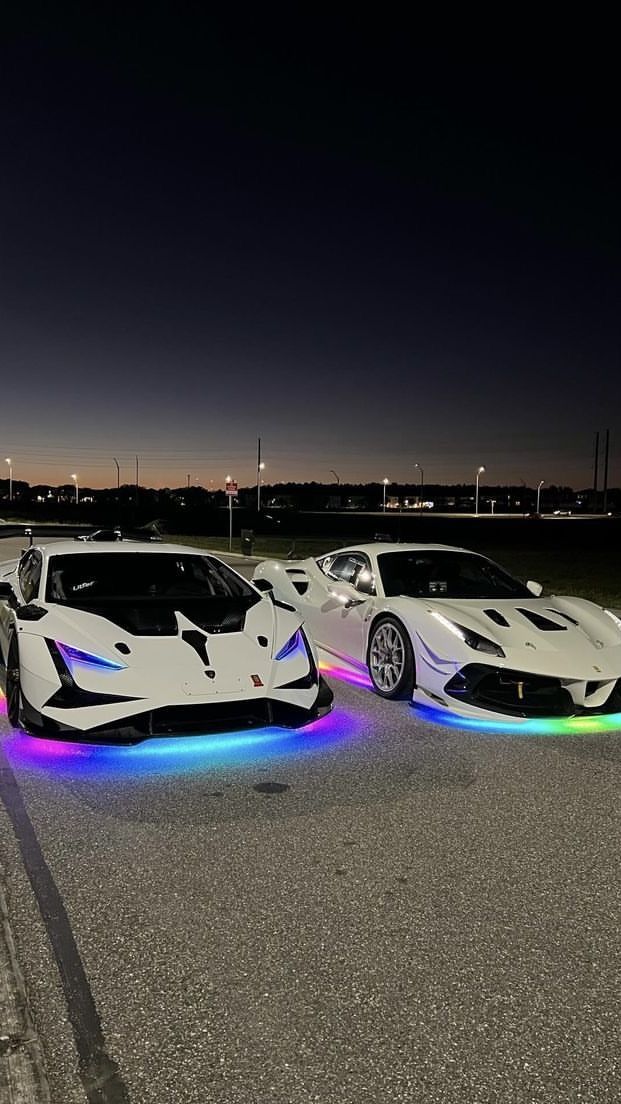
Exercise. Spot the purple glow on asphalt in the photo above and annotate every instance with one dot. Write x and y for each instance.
(354, 678)
(181, 754)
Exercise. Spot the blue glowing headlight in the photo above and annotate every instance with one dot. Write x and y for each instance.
(294, 642)
(77, 656)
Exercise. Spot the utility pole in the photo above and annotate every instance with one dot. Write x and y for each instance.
(606, 471)
(188, 477)
(595, 472)
(258, 474)
(136, 481)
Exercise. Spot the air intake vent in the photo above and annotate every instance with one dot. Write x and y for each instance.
(559, 613)
(541, 622)
(496, 615)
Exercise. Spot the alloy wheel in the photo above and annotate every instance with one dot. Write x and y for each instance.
(387, 658)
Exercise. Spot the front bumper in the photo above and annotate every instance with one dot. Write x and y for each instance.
(524, 694)
(183, 720)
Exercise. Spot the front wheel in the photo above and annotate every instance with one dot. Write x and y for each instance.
(391, 659)
(13, 685)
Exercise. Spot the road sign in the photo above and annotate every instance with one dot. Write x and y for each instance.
(230, 487)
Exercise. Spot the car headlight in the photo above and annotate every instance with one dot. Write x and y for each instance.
(613, 617)
(78, 656)
(293, 644)
(469, 636)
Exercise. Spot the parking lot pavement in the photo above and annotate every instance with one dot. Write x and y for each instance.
(375, 910)
(23, 1078)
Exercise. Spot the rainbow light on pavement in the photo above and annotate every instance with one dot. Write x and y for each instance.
(528, 726)
(181, 754)
(354, 678)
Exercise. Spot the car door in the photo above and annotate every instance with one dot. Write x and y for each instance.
(25, 586)
(337, 622)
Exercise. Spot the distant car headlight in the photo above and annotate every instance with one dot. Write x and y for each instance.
(293, 644)
(77, 656)
(469, 636)
(613, 617)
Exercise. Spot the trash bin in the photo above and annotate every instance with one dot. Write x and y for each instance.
(247, 541)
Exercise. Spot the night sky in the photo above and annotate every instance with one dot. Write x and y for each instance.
(366, 243)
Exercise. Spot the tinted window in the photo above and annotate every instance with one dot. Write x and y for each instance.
(30, 574)
(346, 568)
(438, 574)
(101, 577)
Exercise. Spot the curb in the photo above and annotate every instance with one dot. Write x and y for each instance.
(23, 1076)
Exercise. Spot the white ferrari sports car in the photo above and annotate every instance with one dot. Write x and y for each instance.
(117, 642)
(447, 627)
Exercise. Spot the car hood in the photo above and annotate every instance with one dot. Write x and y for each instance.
(99, 632)
(568, 637)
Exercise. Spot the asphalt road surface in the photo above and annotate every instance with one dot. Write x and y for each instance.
(377, 909)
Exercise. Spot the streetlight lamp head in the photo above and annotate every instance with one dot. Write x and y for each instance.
(386, 482)
(8, 459)
(481, 470)
(73, 475)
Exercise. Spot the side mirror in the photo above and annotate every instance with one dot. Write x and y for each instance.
(345, 600)
(263, 584)
(7, 594)
(535, 588)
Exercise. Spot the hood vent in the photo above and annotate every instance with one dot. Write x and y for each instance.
(198, 641)
(541, 622)
(497, 617)
(559, 613)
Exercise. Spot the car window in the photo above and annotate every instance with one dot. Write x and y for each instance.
(109, 577)
(351, 567)
(29, 574)
(444, 574)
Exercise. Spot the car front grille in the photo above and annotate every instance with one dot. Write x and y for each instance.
(516, 693)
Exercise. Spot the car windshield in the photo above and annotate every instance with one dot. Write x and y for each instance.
(439, 574)
(133, 576)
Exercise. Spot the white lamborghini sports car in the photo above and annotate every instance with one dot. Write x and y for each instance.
(118, 642)
(447, 627)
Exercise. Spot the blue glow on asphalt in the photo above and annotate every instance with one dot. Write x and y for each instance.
(180, 754)
(527, 726)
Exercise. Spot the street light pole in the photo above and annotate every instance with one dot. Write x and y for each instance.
(8, 460)
(476, 499)
(260, 468)
(539, 486)
(385, 482)
(118, 473)
(422, 476)
(335, 474)
(230, 498)
(77, 491)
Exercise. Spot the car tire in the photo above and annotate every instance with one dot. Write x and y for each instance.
(390, 659)
(13, 685)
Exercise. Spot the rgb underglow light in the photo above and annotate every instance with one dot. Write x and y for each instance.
(181, 754)
(526, 726)
(354, 678)
(2, 705)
